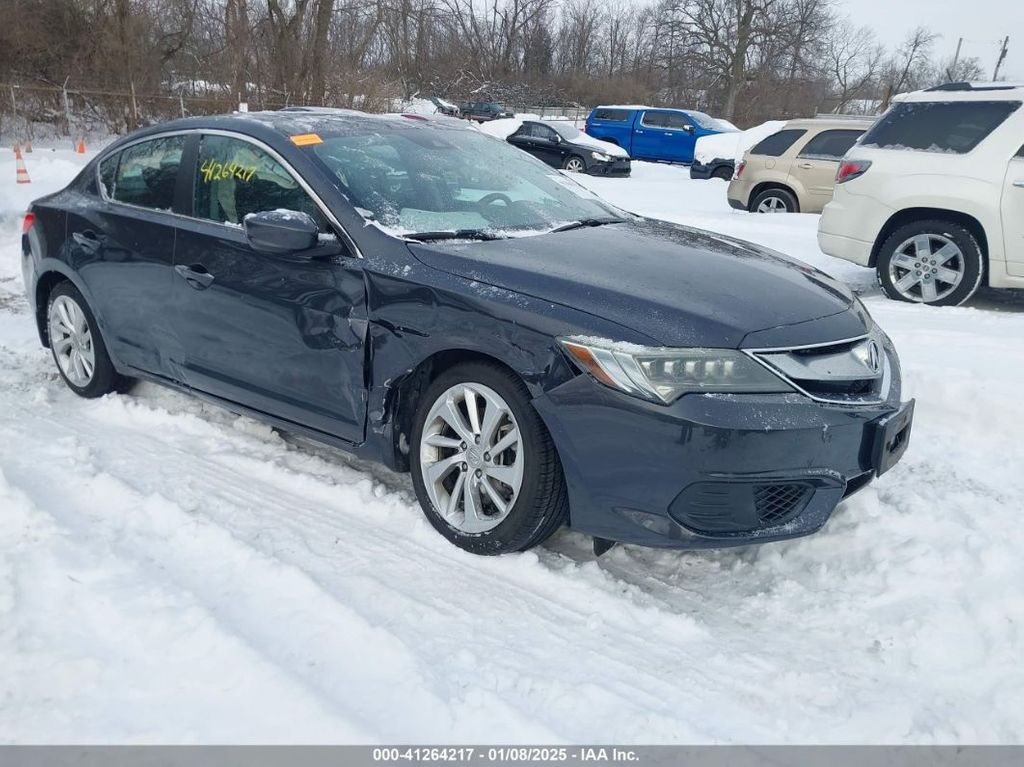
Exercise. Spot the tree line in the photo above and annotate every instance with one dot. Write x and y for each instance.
(744, 60)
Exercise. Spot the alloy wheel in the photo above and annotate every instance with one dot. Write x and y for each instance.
(574, 165)
(71, 341)
(927, 267)
(472, 457)
(772, 205)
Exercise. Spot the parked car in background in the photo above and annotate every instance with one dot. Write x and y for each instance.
(716, 155)
(794, 170)
(561, 145)
(424, 296)
(482, 111)
(649, 133)
(933, 197)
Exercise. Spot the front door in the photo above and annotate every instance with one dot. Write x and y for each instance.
(122, 246)
(282, 334)
(1013, 215)
(814, 170)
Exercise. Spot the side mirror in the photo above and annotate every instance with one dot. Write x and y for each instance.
(280, 231)
(557, 139)
(689, 129)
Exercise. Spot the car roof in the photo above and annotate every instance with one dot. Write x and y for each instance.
(641, 106)
(988, 91)
(272, 127)
(828, 123)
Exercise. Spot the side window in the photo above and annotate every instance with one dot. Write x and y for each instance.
(1020, 152)
(830, 144)
(676, 121)
(108, 171)
(777, 143)
(237, 178)
(612, 115)
(654, 120)
(148, 172)
(544, 132)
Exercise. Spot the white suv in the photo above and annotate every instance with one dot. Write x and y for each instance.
(932, 196)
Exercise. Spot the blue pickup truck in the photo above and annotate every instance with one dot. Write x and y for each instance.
(654, 133)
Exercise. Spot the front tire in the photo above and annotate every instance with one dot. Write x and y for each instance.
(77, 346)
(723, 172)
(932, 262)
(485, 469)
(574, 164)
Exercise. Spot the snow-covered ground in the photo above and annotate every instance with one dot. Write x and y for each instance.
(170, 572)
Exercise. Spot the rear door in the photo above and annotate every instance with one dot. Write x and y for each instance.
(283, 334)
(122, 246)
(1012, 209)
(814, 170)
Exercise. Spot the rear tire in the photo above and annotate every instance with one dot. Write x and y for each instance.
(723, 173)
(77, 346)
(451, 460)
(774, 201)
(933, 262)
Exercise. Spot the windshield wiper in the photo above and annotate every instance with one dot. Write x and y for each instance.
(453, 234)
(585, 222)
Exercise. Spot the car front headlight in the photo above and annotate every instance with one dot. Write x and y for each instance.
(600, 157)
(663, 374)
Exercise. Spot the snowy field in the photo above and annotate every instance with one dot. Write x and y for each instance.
(170, 572)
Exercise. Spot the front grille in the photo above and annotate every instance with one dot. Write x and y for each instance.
(776, 503)
(852, 372)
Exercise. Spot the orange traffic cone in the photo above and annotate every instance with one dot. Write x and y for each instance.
(81, 146)
(22, 173)
(17, 150)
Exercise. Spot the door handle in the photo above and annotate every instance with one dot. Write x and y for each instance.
(805, 165)
(1019, 182)
(196, 276)
(639, 132)
(88, 240)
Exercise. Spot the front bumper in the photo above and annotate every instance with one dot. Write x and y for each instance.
(700, 171)
(711, 470)
(613, 168)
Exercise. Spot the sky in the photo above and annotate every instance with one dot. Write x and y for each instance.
(982, 24)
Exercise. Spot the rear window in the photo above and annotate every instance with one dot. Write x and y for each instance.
(830, 144)
(613, 115)
(939, 126)
(777, 143)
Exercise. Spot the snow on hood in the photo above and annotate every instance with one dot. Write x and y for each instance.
(733, 145)
(600, 146)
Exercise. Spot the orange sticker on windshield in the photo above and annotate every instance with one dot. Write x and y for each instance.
(305, 139)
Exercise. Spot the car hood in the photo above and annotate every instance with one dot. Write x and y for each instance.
(676, 285)
(583, 141)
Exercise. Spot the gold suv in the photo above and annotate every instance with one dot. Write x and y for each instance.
(794, 170)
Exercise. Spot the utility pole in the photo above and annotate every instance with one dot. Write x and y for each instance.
(951, 72)
(1002, 56)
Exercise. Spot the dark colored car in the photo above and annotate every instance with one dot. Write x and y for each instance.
(716, 168)
(561, 145)
(484, 111)
(531, 354)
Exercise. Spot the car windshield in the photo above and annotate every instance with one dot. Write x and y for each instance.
(565, 130)
(427, 180)
(707, 122)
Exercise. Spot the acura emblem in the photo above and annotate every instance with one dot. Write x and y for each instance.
(874, 357)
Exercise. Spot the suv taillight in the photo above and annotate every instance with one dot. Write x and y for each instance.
(30, 218)
(851, 169)
(739, 168)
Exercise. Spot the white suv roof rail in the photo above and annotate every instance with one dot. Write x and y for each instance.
(965, 86)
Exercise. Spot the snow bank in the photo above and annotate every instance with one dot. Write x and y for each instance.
(733, 145)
